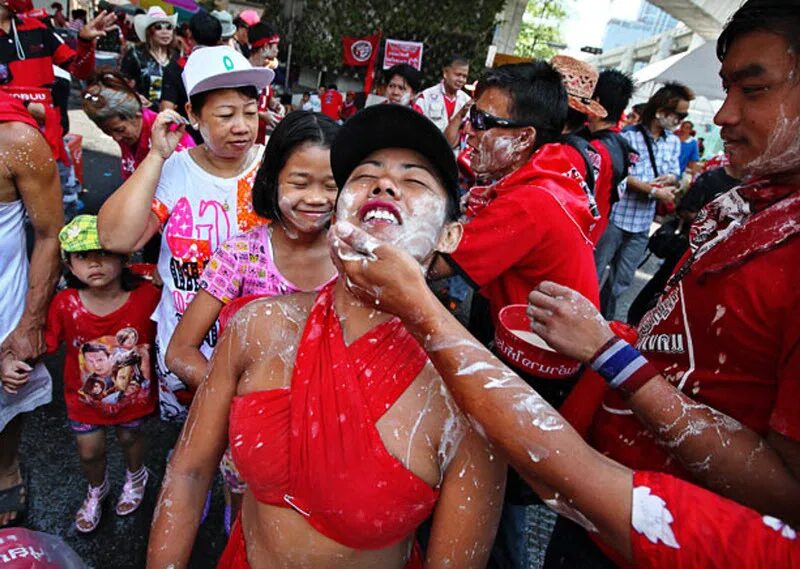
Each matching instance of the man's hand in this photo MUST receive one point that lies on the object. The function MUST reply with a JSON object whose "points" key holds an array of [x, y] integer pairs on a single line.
{"points": [[663, 194], [15, 374], [26, 342], [567, 321], [377, 273], [98, 27], [665, 180]]}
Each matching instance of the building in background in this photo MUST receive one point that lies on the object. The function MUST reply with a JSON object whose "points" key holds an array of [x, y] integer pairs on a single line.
{"points": [[651, 21]]}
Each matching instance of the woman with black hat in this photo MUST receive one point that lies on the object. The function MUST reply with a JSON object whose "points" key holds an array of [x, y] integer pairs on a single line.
{"points": [[341, 429]]}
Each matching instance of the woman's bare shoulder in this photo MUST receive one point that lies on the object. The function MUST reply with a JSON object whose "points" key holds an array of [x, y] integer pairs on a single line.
{"points": [[262, 317]]}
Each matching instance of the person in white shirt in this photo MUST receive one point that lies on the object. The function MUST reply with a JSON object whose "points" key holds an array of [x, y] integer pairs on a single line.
{"points": [[446, 103]]}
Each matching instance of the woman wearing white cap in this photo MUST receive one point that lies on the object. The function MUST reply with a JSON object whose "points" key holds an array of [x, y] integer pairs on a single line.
{"points": [[145, 63], [197, 198]]}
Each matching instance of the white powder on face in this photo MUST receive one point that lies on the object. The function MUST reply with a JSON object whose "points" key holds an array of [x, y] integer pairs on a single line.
{"points": [[419, 233], [495, 154], [533, 339]]}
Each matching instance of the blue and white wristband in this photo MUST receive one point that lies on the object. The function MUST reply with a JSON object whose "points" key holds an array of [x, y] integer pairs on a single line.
{"points": [[622, 366]]}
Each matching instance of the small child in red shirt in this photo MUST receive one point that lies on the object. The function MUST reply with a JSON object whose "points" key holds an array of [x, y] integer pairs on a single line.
{"points": [[104, 320]]}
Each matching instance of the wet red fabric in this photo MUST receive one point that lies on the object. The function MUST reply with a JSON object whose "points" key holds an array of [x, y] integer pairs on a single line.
{"points": [[235, 554], [315, 447], [708, 530], [12, 110]]}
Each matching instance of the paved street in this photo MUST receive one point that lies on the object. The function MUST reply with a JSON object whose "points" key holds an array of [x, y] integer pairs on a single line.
{"points": [[50, 459], [49, 456]]}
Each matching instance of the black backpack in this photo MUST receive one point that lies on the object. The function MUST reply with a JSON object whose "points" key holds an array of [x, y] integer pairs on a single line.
{"points": [[620, 150], [586, 150]]}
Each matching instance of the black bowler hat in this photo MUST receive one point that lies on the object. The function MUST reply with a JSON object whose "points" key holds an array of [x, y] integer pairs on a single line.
{"points": [[392, 126]]}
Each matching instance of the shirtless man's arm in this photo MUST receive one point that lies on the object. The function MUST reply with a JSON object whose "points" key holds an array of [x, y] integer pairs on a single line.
{"points": [[29, 174]]}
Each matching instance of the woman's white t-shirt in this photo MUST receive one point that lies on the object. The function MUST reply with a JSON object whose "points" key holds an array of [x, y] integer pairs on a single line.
{"points": [[198, 212]]}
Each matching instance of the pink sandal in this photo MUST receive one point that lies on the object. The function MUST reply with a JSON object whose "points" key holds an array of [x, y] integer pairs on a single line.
{"points": [[133, 491], [88, 517]]}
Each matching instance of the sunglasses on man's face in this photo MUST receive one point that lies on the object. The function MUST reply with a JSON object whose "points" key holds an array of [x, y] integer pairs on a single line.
{"points": [[481, 120], [680, 116], [162, 26]]}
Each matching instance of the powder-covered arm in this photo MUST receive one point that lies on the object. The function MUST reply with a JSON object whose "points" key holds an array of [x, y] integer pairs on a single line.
{"points": [[193, 465], [721, 453]]}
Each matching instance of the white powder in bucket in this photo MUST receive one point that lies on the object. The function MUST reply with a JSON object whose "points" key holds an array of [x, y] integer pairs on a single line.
{"points": [[532, 338]]}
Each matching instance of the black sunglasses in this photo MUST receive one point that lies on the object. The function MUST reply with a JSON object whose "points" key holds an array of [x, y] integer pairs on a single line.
{"points": [[680, 116], [163, 26], [481, 120]]}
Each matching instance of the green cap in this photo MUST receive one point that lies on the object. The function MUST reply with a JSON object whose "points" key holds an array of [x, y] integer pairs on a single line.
{"points": [[80, 235]]}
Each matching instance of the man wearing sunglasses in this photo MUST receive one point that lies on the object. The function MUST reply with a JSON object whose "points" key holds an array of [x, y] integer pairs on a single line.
{"points": [[652, 178], [528, 223]]}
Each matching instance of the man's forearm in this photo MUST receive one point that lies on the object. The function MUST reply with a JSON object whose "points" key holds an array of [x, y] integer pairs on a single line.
{"points": [[535, 439], [42, 279], [26, 340], [721, 454], [639, 186]]}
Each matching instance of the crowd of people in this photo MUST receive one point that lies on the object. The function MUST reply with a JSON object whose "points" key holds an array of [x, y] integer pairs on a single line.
{"points": [[287, 319]]}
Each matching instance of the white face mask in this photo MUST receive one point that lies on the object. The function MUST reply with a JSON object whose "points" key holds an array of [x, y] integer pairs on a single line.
{"points": [[668, 122], [419, 233], [496, 154]]}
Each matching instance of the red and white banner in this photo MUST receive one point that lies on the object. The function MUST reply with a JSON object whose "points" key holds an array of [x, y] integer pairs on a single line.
{"points": [[360, 51], [398, 51]]}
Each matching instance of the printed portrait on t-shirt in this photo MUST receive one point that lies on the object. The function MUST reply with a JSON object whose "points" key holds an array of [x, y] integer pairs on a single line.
{"points": [[116, 372]]}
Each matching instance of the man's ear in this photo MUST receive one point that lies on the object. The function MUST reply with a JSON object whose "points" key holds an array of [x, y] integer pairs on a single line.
{"points": [[450, 237], [528, 136]]}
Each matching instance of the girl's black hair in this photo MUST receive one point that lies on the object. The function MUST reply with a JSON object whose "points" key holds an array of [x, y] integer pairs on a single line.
{"points": [[296, 129], [130, 280], [198, 100]]}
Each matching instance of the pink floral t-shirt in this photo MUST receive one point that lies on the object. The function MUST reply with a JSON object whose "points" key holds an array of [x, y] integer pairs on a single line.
{"points": [[244, 265]]}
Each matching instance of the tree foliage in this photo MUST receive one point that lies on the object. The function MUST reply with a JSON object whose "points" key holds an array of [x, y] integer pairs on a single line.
{"points": [[445, 27], [540, 29]]}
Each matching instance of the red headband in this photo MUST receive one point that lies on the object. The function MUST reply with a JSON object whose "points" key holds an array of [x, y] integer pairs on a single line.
{"points": [[264, 41]]}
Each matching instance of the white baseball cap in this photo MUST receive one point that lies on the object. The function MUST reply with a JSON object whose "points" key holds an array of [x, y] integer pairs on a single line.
{"points": [[222, 67]]}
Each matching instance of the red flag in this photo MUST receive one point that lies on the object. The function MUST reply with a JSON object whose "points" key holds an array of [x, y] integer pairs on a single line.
{"points": [[362, 52], [359, 52]]}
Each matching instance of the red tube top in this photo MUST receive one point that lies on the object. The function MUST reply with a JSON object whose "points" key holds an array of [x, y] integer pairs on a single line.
{"points": [[315, 447]]}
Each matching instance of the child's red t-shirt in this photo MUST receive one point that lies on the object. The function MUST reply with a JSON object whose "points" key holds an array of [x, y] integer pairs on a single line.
{"points": [[109, 377]]}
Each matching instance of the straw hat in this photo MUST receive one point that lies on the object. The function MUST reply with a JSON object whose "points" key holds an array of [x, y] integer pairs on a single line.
{"points": [[154, 15], [580, 79]]}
